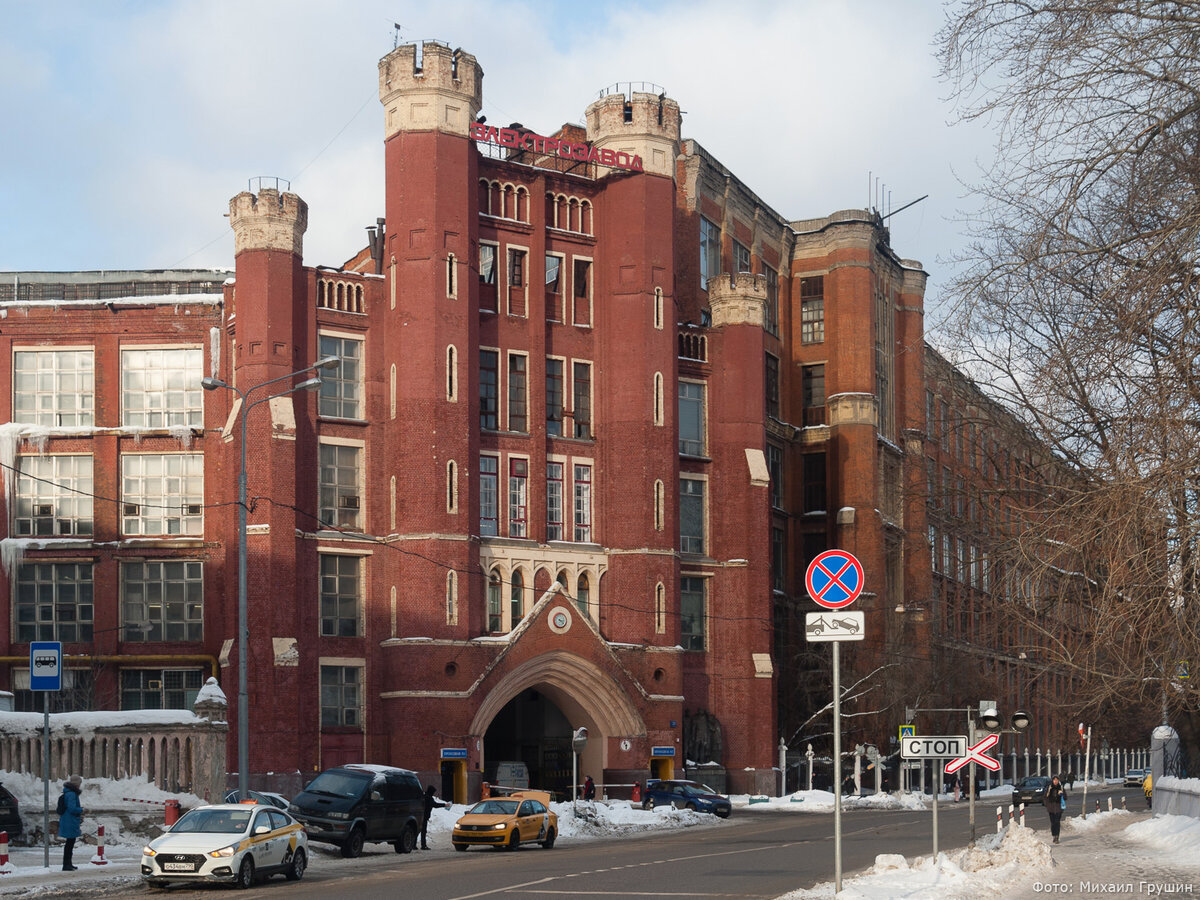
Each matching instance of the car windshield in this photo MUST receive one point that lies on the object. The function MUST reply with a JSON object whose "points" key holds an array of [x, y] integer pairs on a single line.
{"points": [[1034, 782], [213, 821], [494, 808], [339, 784]]}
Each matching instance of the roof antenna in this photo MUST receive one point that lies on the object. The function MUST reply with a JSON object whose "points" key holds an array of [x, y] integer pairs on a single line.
{"points": [[396, 36]]}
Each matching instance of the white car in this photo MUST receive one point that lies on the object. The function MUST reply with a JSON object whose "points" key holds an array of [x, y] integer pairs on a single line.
{"points": [[231, 843]]}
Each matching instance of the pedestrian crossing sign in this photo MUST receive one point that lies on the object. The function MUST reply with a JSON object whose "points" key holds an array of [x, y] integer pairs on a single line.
{"points": [[907, 731]]}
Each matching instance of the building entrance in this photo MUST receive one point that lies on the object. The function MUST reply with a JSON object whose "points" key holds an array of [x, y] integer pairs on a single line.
{"points": [[532, 730]]}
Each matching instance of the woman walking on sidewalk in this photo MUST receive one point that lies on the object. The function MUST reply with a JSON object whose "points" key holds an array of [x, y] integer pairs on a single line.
{"points": [[1055, 801]]}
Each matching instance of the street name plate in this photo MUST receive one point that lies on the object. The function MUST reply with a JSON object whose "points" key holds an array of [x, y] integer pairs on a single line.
{"points": [[933, 746]]}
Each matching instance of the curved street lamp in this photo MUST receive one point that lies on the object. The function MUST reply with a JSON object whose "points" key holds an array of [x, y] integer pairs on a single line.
{"points": [[212, 384]]}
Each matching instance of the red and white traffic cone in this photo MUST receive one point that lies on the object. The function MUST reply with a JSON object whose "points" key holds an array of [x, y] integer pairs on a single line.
{"points": [[6, 868], [98, 859]]}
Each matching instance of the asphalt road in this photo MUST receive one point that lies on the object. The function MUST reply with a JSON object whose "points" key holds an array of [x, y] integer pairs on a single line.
{"points": [[754, 854]]}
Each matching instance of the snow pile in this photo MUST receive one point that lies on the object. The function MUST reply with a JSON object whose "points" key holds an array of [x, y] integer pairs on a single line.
{"points": [[995, 861], [1095, 821], [593, 820], [1177, 835]]}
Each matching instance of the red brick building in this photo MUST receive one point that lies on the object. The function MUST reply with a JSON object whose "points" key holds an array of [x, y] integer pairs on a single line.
{"points": [[596, 408]]}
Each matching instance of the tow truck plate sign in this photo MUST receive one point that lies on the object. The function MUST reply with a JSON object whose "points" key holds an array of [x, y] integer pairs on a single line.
{"points": [[933, 746]]}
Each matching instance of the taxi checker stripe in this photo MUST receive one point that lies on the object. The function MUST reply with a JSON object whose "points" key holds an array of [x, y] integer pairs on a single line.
{"points": [[834, 579], [976, 754]]}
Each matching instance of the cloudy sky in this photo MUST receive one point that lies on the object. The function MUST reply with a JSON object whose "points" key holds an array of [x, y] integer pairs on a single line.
{"points": [[129, 125]]}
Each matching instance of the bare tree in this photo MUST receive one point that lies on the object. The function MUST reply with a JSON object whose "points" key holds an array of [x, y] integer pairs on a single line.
{"points": [[1078, 307]]}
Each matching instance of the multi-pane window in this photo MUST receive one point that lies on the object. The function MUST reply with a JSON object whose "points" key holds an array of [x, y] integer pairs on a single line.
{"points": [[489, 390], [814, 482], [710, 251], [581, 395], [339, 499], [55, 388], [516, 268], [778, 559], [518, 498], [54, 602], [494, 610], [583, 504], [771, 313], [516, 600], [771, 368], [741, 257], [162, 494], [691, 613], [553, 287], [53, 497], [341, 580], [775, 470], [160, 388], [517, 418], [583, 593], [691, 418], [554, 396], [341, 388], [812, 310], [341, 696], [691, 515], [160, 688], [487, 264], [813, 378], [554, 501], [489, 495], [163, 600]]}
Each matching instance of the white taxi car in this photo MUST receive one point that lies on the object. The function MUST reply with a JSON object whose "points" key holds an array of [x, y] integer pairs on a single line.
{"points": [[228, 843]]}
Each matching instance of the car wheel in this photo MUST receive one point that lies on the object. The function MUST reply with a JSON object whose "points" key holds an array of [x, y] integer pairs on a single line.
{"points": [[460, 847], [548, 843], [299, 863], [515, 841], [408, 840], [352, 848], [648, 803], [245, 876]]}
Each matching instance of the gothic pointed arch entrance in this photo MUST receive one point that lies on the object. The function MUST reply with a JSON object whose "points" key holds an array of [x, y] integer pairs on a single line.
{"points": [[531, 712]]}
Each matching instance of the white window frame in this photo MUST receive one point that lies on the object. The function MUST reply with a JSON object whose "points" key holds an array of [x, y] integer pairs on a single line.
{"points": [[359, 512], [704, 536], [187, 410], [83, 415], [337, 377], [563, 284], [583, 500], [143, 508], [495, 473], [53, 498], [703, 402]]}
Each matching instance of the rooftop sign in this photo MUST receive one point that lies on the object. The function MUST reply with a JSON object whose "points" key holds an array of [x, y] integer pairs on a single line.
{"points": [[576, 150]]}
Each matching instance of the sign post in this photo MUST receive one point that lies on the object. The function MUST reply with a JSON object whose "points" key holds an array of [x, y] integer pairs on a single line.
{"points": [[834, 579], [45, 675], [933, 746]]}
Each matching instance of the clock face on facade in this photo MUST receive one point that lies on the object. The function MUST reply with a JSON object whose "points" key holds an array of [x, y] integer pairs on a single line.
{"points": [[560, 620], [625, 745]]}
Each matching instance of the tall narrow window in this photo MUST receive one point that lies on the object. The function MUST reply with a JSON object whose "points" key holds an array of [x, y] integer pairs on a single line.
{"points": [[691, 515], [554, 501], [554, 397], [518, 497], [691, 418], [582, 292], [814, 394], [691, 613], [741, 257], [516, 268], [658, 398], [495, 612], [340, 696], [660, 497], [778, 559], [814, 482], [771, 312], [583, 593], [452, 487], [487, 277], [554, 299], [660, 609], [451, 276], [583, 504], [341, 579], [452, 373], [517, 418], [581, 385], [812, 310], [338, 497], [516, 598], [710, 251], [451, 598], [775, 470], [658, 308], [489, 388], [489, 495], [772, 385], [341, 387]]}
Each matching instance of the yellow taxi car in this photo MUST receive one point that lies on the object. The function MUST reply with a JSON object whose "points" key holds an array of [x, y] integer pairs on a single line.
{"points": [[521, 817]]}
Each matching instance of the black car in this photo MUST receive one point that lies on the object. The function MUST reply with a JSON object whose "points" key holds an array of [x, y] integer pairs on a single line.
{"points": [[354, 804], [10, 813], [686, 795], [1030, 790]]}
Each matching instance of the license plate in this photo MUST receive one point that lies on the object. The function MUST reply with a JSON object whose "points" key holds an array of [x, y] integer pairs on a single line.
{"points": [[179, 867]]}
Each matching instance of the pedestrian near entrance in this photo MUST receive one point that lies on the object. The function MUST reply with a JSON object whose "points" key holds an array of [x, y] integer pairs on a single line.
{"points": [[589, 789], [1148, 788], [1055, 801], [430, 802], [1071, 779], [70, 819]]}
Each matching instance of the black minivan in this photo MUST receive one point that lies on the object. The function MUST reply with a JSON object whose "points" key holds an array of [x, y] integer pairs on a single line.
{"points": [[353, 804]]}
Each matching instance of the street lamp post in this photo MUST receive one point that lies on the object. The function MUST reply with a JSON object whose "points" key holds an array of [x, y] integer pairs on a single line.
{"points": [[212, 384]]}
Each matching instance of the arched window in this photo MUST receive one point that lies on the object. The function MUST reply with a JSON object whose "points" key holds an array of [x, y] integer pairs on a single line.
{"points": [[516, 597], [451, 598], [452, 373], [495, 614], [582, 593], [658, 398], [452, 487], [660, 609], [392, 390], [659, 502], [658, 308], [392, 501], [451, 277], [562, 579]]}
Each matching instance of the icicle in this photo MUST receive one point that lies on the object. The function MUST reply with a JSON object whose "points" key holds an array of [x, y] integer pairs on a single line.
{"points": [[183, 434]]}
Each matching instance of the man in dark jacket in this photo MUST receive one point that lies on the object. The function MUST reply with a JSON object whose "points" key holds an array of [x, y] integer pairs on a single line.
{"points": [[430, 803], [1054, 800], [70, 823]]}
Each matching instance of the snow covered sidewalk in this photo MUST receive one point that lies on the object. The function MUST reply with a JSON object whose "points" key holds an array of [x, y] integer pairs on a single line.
{"points": [[1117, 852]]}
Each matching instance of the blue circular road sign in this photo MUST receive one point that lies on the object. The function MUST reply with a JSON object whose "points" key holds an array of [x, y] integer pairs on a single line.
{"points": [[834, 579]]}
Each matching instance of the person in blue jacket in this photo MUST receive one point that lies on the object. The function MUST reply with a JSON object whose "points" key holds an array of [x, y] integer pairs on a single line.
{"points": [[70, 823]]}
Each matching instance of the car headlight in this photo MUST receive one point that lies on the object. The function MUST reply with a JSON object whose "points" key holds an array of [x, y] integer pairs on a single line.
{"points": [[149, 851], [500, 825], [223, 852]]}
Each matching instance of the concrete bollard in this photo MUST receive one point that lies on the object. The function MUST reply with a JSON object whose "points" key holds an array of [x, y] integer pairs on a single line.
{"points": [[98, 859], [6, 868]]}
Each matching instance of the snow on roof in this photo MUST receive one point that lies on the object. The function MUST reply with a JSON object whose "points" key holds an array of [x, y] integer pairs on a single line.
{"points": [[212, 692], [82, 722]]}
